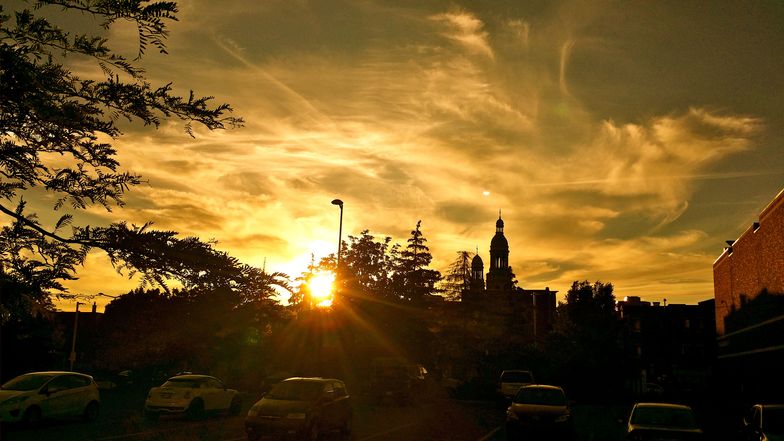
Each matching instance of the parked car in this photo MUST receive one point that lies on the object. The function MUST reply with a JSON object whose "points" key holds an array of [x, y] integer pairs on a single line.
{"points": [[511, 381], [539, 410], [35, 396], [396, 379], [302, 409], [191, 395], [662, 421], [764, 422]]}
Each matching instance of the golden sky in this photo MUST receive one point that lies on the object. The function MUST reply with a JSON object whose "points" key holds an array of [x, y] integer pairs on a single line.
{"points": [[624, 141]]}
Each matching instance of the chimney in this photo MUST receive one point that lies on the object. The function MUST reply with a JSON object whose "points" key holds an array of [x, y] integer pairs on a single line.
{"points": [[95, 307]]}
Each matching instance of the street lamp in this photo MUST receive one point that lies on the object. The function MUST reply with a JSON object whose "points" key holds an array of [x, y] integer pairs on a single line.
{"points": [[339, 203]]}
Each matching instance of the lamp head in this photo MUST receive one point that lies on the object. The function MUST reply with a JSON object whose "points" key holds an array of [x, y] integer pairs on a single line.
{"points": [[337, 202]]}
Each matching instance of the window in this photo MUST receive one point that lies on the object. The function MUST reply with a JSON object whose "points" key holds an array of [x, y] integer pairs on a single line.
{"points": [[329, 391], [59, 383], [340, 390], [75, 381], [214, 384], [756, 420]]}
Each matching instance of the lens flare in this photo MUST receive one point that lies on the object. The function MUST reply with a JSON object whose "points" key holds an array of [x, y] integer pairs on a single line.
{"points": [[320, 287]]}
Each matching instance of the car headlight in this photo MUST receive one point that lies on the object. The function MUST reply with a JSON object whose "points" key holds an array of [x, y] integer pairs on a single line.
{"points": [[563, 418], [511, 416], [253, 412], [15, 400], [296, 416]]}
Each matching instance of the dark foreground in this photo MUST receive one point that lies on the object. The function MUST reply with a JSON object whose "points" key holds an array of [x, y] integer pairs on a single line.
{"points": [[429, 420]]}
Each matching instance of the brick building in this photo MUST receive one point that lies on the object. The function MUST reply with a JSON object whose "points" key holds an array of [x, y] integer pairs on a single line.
{"points": [[748, 280], [670, 345]]}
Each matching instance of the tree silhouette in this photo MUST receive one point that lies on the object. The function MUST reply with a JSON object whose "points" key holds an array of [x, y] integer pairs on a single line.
{"points": [[412, 280], [584, 347], [458, 278], [368, 265], [53, 127]]}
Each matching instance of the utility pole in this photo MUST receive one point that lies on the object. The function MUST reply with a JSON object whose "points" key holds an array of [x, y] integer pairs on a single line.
{"points": [[533, 296], [72, 357]]}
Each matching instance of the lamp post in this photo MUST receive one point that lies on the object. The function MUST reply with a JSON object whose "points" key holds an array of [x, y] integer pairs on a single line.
{"points": [[72, 357], [339, 203]]}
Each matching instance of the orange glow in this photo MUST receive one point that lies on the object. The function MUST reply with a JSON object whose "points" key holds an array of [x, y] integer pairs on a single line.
{"points": [[321, 287]]}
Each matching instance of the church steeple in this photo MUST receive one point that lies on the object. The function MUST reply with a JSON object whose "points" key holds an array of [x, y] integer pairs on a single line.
{"points": [[499, 276]]}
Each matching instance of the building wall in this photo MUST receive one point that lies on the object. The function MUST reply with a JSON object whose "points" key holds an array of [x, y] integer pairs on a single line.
{"points": [[754, 262]]}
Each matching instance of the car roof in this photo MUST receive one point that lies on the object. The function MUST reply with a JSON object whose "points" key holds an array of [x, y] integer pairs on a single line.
{"points": [[192, 377], [663, 405], [56, 373], [771, 406], [312, 379], [542, 386]]}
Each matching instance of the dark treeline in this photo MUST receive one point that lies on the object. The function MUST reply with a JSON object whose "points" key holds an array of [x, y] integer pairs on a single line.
{"points": [[225, 317], [387, 304]]}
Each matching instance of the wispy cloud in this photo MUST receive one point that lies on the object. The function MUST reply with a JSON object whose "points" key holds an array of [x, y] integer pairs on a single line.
{"points": [[467, 30], [414, 112]]}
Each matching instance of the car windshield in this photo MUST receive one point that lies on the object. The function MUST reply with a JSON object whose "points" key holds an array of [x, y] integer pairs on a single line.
{"points": [[535, 395], [516, 377], [295, 391], [27, 382], [773, 420], [183, 383], [664, 417]]}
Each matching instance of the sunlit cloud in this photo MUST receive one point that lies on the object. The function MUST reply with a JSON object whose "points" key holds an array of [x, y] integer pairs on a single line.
{"points": [[466, 29], [446, 113]]}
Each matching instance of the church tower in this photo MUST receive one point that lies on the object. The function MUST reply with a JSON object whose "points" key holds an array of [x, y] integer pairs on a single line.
{"points": [[477, 274], [499, 277]]}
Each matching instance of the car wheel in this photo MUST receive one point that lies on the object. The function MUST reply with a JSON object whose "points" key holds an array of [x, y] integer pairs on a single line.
{"points": [[195, 410], [32, 415], [91, 411], [313, 432], [236, 406], [347, 425]]}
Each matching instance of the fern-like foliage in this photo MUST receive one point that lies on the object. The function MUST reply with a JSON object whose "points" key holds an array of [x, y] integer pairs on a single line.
{"points": [[49, 116]]}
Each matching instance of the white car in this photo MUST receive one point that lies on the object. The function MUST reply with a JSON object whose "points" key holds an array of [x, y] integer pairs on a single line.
{"points": [[192, 395], [29, 398]]}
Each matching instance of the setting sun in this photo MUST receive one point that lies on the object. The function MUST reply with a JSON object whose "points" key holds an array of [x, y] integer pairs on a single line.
{"points": [[321, 285]]}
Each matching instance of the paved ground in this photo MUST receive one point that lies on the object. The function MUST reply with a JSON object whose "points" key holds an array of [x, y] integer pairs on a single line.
{"points": [[434, 420]]}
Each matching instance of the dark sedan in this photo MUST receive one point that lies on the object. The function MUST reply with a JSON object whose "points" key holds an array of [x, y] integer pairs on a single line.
{"points": [[302, 409], [539, 410], [764, 422], [662, 422]]}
